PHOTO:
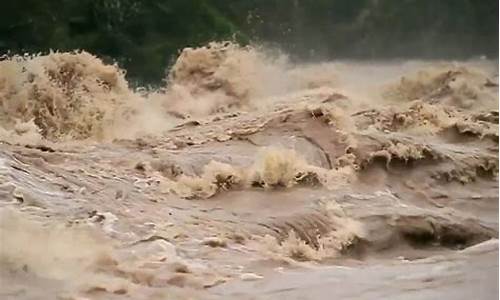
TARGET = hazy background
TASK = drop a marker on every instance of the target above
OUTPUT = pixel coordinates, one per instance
(145, 36)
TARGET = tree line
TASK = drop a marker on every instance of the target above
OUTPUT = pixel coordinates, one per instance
(144, 36)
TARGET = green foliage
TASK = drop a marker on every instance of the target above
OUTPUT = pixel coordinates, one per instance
(145, 36)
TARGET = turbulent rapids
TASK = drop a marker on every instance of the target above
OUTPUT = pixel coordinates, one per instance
(247, 176)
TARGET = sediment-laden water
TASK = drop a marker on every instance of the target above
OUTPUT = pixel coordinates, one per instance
(248, 177)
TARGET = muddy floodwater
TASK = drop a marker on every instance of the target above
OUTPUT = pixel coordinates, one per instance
(248, 177)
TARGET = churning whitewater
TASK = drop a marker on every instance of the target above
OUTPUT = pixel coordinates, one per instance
(248, 176)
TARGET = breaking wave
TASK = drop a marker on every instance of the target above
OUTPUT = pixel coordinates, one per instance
(75, 96)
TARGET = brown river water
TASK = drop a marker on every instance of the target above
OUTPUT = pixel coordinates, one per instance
(248, 177)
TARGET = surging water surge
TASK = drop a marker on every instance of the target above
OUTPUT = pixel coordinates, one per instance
(247, 170)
